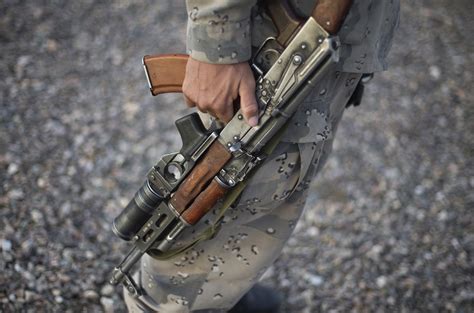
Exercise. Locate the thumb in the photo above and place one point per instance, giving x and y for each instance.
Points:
(248, 103)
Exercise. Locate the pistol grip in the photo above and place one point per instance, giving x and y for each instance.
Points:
(165, 72)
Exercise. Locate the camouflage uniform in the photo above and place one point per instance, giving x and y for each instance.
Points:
(216, 273)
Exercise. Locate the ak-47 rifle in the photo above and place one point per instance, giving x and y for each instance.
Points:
(182, 187)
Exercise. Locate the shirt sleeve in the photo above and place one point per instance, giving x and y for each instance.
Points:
(219, 30)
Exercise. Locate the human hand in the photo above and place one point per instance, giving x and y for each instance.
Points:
(213, 88)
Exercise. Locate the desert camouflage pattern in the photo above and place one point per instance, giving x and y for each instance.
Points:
(224, 31)
(219, 31)
(215, 274)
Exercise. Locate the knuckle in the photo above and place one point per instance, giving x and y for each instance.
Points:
(202, 107)
(188, 96)
(219, 110)
(249, 108)
(214, 100)
(251, 83)
(186, 88)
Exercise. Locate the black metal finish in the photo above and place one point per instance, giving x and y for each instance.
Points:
(193, 133)
(137, 212)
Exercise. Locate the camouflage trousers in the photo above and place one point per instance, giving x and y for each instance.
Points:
(216, 273)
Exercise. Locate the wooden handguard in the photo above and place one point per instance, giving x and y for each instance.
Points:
(165, 72)
(205, 170)
(204, 202)
(330, 14)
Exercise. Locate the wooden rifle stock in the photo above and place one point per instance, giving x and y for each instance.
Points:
(165, 72)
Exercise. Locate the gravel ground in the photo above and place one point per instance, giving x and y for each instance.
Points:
(388, 227)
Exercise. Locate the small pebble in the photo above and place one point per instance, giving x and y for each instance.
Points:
(6, 245)
(107, 304)
(91, 295)
(381, 281)
(12, 169)
(107, 290)
(435, 72)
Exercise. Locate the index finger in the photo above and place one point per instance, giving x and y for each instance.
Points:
(248, 102)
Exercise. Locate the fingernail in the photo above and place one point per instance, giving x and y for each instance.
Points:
(253, 121)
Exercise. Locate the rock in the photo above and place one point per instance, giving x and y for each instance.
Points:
(91, 295)
(30, 296)
(107, 290)
(107, 304)
(314, 280)
(68, 255)
(52, 45)
(89, 254)
(435, 72)
(12, 168)
(66, 208)
(41, 182)
(37, 216)
(6, 245)
(374, 252)
(381, 281)
(16, 194)
(22, 61)
(465, 296)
